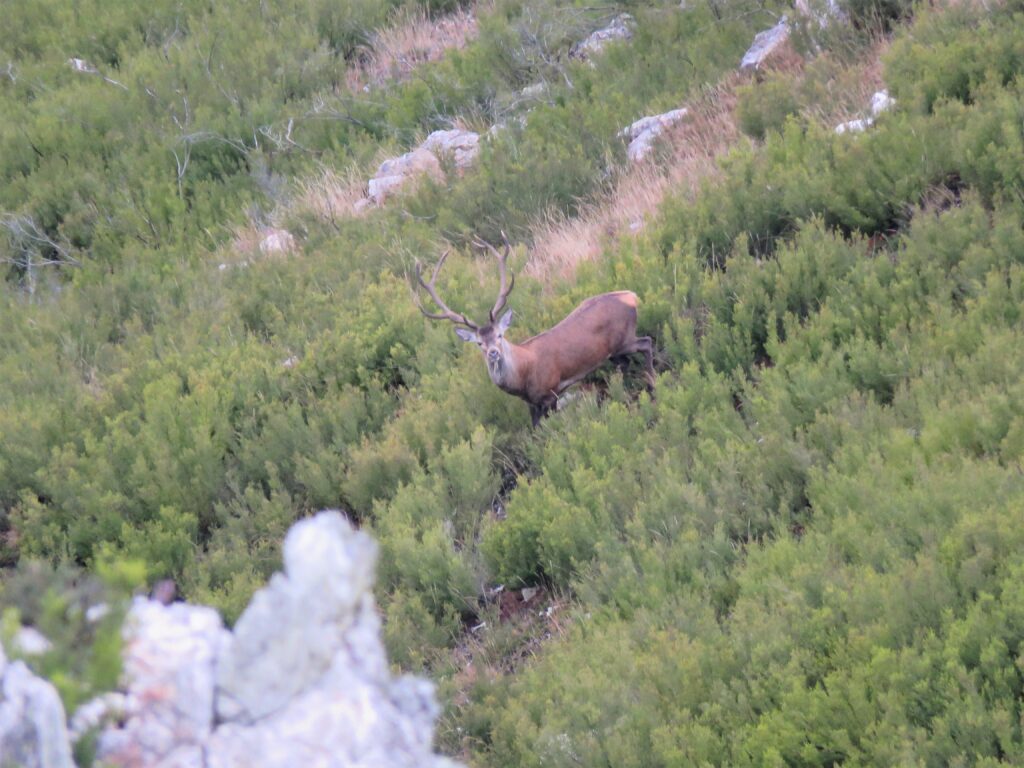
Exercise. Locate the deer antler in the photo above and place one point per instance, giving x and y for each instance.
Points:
(503, 290)
(446, 314)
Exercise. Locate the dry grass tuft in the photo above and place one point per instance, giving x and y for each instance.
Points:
(694, 148)
(331, 195)
(411, 40)
(695, 144)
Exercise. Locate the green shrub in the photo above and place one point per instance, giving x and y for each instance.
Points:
(764, 106)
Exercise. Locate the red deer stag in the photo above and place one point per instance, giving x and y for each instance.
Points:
(539, 369)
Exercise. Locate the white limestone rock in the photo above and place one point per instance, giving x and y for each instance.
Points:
(620, 28)
(292, 631)
(303, 680)
(29, 641)
(32, 729)
(855, 126)
(461, 147)
(169, 661)
(643, 132)
(276, 241)
(881, 102)
(765, 44)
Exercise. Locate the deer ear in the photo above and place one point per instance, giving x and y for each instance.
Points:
(465, 334)
(505, 322)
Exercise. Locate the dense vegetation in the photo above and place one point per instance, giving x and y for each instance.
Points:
(807, 551)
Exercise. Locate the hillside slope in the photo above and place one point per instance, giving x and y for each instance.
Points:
(806, 551)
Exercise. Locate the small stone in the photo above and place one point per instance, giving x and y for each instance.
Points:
(31, 642)
(97, 612)
(855, 126)
(765, 44)
(882, 102)
(644, 131)
(32, 729)
(81, 65)
(620, 28)
(276, 241)
(95, 712)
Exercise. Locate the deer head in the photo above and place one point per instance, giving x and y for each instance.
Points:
(490, 337)
(539, 369)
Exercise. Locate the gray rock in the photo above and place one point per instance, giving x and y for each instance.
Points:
(290, 633)
(169, 667)
(855, 126)
(276, 241)
(620, 28)
(32, 729)
(29, 641)
(644, 131)
(881, 102)
(302, 681)
(460, 146)
(96, 712)
(765, 44)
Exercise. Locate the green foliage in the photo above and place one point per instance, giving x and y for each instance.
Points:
(764, 106)
(805, 551)
(84, 657)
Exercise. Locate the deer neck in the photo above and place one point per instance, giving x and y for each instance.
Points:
(506, 372)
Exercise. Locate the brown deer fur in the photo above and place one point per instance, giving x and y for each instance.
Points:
(539, 369)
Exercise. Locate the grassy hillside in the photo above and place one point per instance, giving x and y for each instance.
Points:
(806, 551)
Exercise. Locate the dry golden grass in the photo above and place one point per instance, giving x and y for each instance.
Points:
(694, 148)
(411, 40)
(330, 195)
(708, 131)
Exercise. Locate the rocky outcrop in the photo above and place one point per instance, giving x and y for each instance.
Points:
(880, 102)
(169, 664)
(32, 729)
(276, 240)
(302, 680)
(620, 28)
(765, 44)
(642, 134)
(457, 146)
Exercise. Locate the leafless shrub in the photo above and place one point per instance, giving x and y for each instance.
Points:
(30, 249)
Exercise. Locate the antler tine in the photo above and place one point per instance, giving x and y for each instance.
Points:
(503, 290)
(447, 313)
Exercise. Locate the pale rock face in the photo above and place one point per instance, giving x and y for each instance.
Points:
(32, 729)
(882, 102)
(855, 126)
(303, 680)
(644, 131)
(461, 146)
(765, 44)
(276, 241)
(169, 662)
(620, 28)
(81, 65)
(294, 627)
(31, 642)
